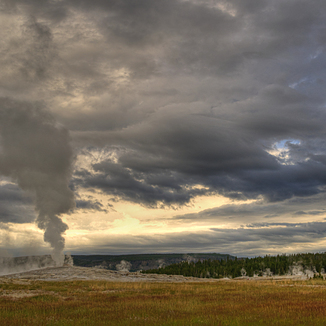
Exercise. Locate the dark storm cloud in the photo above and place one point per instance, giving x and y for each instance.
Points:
(239, 213)
(223, 150)
(315, 212)
(202, 37)
(197, 36)
(209, 140)
(11, 193)
(15, 207)
(143, 188)
(53, 10)
(87, 205)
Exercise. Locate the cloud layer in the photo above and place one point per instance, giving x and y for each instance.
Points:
(171, 101)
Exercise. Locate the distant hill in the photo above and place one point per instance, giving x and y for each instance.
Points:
(142, 262)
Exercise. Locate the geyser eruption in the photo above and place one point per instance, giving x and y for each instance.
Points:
(36, 153)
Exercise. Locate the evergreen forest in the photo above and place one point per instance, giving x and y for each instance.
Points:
(235, 267)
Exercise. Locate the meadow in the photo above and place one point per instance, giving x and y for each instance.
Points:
(234, 302)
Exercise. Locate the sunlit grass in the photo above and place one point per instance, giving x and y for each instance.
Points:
(115, 303)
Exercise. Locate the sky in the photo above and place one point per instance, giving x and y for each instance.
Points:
(155, 126)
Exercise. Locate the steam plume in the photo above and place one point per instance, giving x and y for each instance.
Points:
(35, 152)
(124, 266)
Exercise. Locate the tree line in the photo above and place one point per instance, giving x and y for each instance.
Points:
(258, 266)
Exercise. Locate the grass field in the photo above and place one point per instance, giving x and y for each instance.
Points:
(115, 303)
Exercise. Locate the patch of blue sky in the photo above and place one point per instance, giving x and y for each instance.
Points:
(283, 143)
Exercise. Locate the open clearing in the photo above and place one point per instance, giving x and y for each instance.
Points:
(84, 296)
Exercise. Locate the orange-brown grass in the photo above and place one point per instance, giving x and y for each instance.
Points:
(114, 303)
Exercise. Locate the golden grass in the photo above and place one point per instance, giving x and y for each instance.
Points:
(114, 303)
